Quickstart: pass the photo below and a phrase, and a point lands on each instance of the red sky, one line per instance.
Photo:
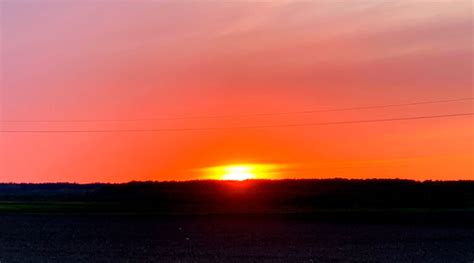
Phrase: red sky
(95, 60)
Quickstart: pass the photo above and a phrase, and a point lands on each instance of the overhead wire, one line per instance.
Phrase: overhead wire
(245, 115)
(244, 127)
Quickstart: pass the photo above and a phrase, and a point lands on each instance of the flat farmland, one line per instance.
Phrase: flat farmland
(147, 238)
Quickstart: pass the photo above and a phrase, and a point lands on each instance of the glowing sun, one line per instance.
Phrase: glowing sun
(241, 172)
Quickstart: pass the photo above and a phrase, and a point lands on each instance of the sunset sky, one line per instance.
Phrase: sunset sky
(90, 65)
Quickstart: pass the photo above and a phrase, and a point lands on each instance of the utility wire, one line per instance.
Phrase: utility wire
(243, 127)
(245, 115)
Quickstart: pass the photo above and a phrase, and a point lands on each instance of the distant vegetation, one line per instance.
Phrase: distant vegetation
(255, 197)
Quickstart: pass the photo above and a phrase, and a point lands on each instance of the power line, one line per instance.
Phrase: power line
(246, 115)
(243, 127)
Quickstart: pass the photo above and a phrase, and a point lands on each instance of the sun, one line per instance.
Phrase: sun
(239, 172)
(242, 171)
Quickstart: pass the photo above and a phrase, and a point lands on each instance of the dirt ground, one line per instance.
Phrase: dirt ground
(70, 238)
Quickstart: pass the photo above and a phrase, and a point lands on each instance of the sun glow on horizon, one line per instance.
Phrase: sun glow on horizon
(242, 172)
(239, 173)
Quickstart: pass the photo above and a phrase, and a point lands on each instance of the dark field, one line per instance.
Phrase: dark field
(254, 197)
(253, 221)
(68, 238)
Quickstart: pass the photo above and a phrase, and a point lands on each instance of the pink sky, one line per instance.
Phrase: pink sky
(69, 60)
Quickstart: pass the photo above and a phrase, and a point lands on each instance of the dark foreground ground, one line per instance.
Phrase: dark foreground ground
(147, 238)
(332, 220)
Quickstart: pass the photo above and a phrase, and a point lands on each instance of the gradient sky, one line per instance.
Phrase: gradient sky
(87, 59)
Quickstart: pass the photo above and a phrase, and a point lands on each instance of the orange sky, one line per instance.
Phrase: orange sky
(95, 60)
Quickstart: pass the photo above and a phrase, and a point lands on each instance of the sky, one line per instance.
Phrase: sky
(119, 64)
